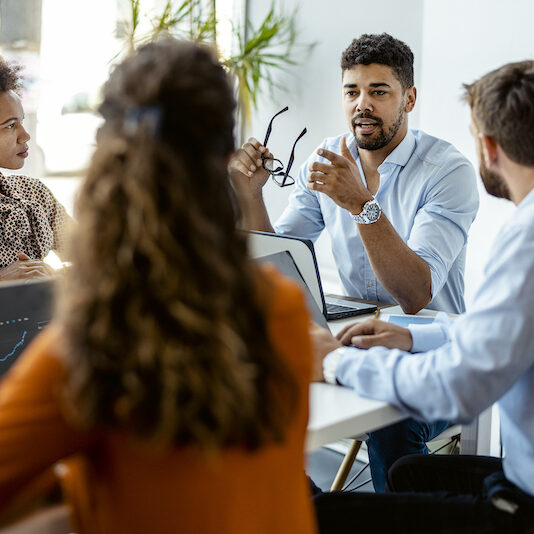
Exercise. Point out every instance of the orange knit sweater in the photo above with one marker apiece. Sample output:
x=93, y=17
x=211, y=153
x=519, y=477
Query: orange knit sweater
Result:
x=118, y=486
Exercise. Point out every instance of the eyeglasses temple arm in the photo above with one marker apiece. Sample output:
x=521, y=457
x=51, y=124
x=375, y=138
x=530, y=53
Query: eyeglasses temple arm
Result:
x=270, y=127
x=292, y=156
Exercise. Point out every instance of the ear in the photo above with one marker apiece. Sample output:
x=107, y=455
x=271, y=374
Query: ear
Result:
x=411, y=97
x=489, y=150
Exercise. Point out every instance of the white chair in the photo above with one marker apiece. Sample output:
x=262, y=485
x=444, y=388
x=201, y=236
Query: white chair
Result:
x=452, y=434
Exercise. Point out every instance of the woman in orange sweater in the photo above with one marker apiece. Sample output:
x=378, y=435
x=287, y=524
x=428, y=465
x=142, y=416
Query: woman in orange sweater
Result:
x=175, y=378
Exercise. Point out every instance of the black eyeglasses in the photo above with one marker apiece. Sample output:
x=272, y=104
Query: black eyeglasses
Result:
x=274, y=166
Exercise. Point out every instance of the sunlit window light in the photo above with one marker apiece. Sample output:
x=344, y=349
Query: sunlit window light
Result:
x=225, y=17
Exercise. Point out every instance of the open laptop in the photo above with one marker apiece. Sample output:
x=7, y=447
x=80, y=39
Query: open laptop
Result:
x=303, y=254
x=283, y=261
x=25, y=309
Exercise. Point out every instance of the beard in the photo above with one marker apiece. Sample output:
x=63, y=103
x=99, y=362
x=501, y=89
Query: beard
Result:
x=383, y=137
x=493, y=182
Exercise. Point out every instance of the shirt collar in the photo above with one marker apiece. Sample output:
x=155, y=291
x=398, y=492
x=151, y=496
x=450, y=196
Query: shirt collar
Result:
x=399, y=156
x=402, y=152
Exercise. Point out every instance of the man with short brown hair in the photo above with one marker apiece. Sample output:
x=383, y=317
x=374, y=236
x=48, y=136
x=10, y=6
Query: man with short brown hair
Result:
x=455, y=371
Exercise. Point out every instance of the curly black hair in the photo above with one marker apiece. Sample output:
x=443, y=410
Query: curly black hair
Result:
x=9, y=76
x=383, y=49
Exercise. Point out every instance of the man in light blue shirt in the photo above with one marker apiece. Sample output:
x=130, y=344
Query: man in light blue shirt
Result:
x=427, y=191
x=397, y=204
x=486, y=356
x=388, y=196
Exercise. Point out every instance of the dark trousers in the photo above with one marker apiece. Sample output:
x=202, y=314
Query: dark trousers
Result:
x=432, y=494
x=387, y=445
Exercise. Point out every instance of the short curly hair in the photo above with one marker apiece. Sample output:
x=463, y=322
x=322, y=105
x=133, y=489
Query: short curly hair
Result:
x=383, y=49
x=9, y=76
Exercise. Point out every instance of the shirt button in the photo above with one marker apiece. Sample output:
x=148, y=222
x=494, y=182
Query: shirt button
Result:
x=370, y=283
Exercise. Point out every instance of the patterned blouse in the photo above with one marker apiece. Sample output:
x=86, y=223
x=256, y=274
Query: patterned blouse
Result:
x=31, y=219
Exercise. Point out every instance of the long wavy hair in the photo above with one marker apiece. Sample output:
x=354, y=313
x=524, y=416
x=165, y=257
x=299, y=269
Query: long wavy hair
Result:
x=163, y=311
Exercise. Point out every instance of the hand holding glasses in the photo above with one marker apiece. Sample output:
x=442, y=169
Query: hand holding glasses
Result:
x=274, y=166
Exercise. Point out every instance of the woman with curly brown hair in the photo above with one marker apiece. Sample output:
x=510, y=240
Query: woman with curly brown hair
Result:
x=177, y=370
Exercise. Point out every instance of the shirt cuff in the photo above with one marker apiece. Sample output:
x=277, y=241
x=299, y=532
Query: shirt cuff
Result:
x=330, y=364
x=426, y=337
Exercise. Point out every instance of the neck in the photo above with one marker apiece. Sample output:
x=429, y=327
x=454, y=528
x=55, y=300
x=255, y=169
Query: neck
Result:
x=372, y=159
x=521, y=184
x=519, y=178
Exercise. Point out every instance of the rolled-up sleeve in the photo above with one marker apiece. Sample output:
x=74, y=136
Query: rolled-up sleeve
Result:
x=440, y=228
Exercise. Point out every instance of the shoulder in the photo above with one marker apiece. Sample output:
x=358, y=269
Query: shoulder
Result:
x=443, y=169
x=24, y=181
x=39, y=369
x=284, y=296
x=437, y=152
x=287, y=319
x=511, y=260
x=520, y=226
x=28, y=187
x=46, y=348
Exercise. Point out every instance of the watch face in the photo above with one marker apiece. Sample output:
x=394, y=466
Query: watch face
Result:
x=373, y=211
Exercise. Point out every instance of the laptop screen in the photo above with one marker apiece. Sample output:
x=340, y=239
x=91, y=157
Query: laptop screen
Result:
x=25, y=309
x=302, y=252
x=285, y=264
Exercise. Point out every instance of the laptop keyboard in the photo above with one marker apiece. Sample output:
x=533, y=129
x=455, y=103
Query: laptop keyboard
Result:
x=336, y=308
x=338, y=311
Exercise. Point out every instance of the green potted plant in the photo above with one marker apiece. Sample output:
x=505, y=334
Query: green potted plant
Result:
x=259, y=52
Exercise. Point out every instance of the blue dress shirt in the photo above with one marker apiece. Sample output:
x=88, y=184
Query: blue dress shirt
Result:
x=429, y=194
x=487, y=355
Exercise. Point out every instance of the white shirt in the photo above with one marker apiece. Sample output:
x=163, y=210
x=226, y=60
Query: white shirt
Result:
x=429, y=194
x=487, y=355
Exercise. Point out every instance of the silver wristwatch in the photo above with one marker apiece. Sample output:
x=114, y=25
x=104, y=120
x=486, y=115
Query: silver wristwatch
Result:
x=370, y=213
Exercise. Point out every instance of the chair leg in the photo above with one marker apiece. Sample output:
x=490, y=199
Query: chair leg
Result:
x=454, y=441
x=346, y=465
x=348, y=461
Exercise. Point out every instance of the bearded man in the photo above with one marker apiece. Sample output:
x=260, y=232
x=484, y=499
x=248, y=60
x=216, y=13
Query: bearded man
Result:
x=397, y=204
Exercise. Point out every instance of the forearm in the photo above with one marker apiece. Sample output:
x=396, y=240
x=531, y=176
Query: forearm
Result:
x=254, y=214
x=401, y=272
x=426, y=386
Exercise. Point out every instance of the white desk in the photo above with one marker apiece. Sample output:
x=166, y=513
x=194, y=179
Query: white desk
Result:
x=336, y=412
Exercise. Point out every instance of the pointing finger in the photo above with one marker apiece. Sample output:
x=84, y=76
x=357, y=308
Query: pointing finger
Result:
x=345, y=152
x=334, y=158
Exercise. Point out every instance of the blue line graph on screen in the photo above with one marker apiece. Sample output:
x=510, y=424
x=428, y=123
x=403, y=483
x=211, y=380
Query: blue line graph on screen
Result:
x=21, y=342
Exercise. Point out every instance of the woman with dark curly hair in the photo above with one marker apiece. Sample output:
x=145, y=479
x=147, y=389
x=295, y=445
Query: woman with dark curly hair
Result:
x=32, y=221
x=177, y=371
